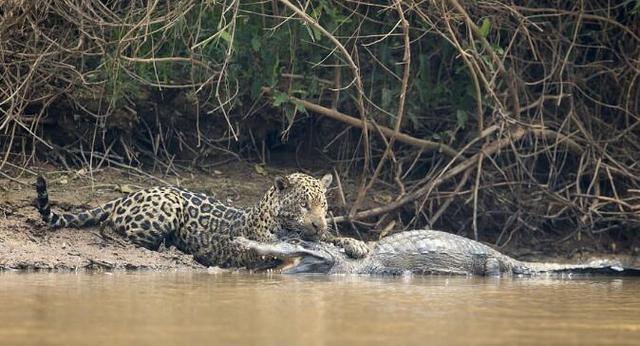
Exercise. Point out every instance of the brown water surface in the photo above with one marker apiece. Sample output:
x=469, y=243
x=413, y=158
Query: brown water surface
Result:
x=224, y=309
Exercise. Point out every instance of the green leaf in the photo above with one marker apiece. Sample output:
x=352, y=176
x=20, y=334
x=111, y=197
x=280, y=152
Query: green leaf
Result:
x=462, y=118
x=225, y=36
x=300, y=107
x=260, y=169
x=315, y=14
x=279, y=98
x=497, y=49
x=256, y=43
x=486, y=26
x=317, y=33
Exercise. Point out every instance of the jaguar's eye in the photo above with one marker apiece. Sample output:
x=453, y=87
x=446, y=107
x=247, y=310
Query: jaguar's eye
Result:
x=304, y=205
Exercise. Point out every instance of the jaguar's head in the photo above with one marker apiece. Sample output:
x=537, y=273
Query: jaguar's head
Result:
x=301, y=203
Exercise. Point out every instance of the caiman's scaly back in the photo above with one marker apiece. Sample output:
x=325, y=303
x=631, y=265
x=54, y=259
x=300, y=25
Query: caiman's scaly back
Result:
x=417, y=252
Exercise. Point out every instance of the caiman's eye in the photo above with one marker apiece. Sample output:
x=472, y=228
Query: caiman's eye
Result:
x=294, y=241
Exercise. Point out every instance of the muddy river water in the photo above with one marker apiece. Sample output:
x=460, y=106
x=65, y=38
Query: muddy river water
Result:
x=225, y=309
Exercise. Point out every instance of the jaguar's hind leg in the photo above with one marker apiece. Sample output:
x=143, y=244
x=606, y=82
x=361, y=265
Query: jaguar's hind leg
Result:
x=147, y=234
x=146, y=218
x=108, y=234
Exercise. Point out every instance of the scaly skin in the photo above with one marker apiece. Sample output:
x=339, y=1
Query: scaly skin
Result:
x=418, y=252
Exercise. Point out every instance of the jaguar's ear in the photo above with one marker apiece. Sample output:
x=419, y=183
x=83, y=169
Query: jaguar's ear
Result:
x=281, y=183
x=326, y=180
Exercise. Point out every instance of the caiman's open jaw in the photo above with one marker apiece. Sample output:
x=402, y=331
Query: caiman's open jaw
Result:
x=295, y=257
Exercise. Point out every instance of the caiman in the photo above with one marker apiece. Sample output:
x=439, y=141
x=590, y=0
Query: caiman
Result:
x=417, y=252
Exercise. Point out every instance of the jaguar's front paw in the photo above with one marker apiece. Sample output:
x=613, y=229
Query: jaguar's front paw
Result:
x=355, y=248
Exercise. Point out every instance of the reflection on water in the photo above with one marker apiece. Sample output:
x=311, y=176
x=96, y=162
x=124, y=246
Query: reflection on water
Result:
x=202, y=308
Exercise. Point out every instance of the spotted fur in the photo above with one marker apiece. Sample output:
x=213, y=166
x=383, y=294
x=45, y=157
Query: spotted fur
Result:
x=202, y=225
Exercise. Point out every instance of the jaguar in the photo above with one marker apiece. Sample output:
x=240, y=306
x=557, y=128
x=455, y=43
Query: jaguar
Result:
x=204, y=226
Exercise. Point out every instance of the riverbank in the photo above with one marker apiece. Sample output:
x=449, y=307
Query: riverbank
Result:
x=26, y=244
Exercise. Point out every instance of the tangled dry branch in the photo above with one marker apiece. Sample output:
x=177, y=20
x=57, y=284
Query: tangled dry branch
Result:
x=556, y=93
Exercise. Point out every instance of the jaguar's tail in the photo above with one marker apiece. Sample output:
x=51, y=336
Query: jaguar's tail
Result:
x=86, y=218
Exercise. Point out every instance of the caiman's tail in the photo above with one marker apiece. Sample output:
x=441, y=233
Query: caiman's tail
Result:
x=86, y=218
x=593, y=267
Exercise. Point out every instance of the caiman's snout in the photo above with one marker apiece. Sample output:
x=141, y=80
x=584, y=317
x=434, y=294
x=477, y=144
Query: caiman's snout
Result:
x=297, y=256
